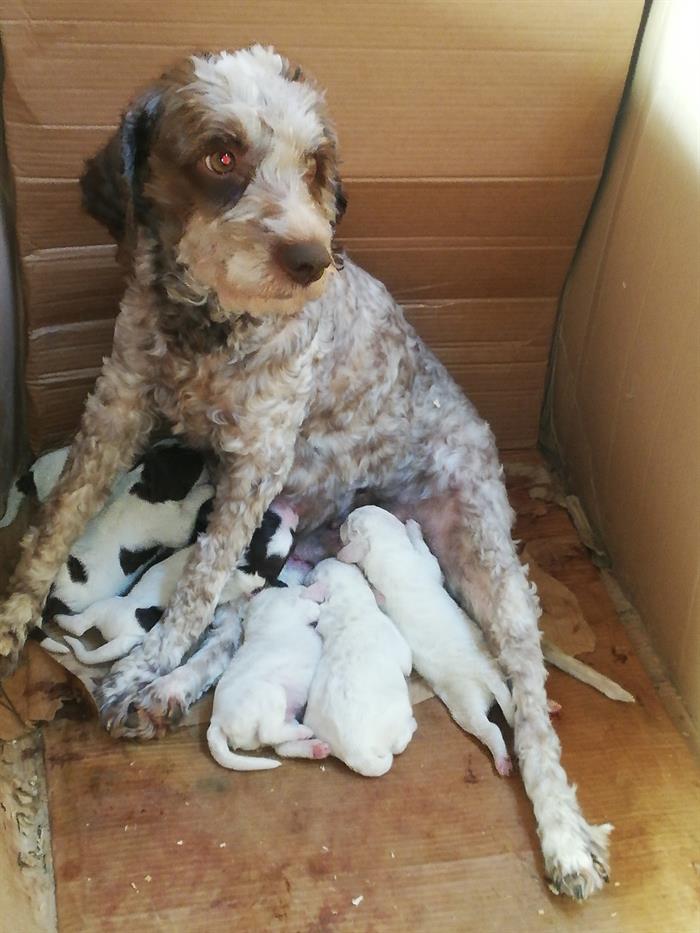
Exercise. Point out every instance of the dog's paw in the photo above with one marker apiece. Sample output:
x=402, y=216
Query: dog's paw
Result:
x=17, y=615
x=129, y=719
x=580, y=866
x=10, y=649
x=147, y=713
x=119, y=698
x=166, y=701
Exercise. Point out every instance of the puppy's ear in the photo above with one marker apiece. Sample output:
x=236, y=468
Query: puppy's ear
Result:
x=354, y=552
x=317, y=592
x=113, y=180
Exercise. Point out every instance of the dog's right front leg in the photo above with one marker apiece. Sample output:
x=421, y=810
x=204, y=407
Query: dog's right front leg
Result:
x=116, y=421
x=136, y=699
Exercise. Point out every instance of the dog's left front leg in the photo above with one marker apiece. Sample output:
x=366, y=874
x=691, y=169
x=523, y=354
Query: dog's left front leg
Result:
x=131, y=703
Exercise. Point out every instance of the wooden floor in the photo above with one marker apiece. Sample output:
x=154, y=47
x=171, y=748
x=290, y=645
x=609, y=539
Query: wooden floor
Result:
x=158, y=837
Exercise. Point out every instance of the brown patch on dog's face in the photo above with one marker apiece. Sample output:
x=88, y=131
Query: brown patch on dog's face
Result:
x=241, y=162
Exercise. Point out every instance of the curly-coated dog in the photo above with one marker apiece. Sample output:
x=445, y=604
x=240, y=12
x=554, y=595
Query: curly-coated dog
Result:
x=241, y=328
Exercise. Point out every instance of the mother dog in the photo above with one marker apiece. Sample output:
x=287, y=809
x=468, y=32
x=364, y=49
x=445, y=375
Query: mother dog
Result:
x=244, y=331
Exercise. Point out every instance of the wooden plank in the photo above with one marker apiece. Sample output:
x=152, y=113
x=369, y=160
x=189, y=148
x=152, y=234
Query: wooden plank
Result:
x=535, y=24
x=412, y=271
x=50, y=216
x=477, y=331
x=66, y=286
x=507, y=107
x=508, y=395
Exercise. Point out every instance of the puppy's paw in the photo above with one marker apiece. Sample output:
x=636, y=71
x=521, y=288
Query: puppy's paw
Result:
x=504, y=766
x=320, y=749
x=580, y=866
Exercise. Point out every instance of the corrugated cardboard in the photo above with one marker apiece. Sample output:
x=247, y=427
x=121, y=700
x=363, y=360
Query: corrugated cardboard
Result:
x=473, y=136
x=625, y=394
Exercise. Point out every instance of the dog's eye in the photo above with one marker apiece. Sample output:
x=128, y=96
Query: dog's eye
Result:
x=220, y=163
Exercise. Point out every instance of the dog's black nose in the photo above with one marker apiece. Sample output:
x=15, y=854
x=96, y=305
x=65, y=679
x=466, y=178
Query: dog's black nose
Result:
x=304, y=262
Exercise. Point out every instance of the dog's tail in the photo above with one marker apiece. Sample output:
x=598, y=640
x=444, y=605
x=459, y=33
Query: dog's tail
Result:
x=222, y=754
x=584, y=673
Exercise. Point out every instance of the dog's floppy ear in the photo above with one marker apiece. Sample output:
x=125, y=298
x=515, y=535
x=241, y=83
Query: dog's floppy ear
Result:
x=341, y=201
x=112, y=183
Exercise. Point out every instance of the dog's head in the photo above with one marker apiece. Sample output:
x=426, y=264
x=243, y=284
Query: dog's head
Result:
x=226, y=170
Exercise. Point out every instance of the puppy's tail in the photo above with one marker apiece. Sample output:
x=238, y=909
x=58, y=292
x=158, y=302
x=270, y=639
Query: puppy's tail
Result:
x=584, y=673
x=222, y=754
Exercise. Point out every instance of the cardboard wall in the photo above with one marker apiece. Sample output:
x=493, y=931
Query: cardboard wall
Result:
x=473, y=136
x=625, y=392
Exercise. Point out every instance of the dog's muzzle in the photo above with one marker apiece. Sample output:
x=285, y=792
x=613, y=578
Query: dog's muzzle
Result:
x=304, y=263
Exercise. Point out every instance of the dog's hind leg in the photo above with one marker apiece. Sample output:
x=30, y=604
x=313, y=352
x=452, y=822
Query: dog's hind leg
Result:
x=471, y=537
x=115, y=423
x=110, y=651
x=303, y=748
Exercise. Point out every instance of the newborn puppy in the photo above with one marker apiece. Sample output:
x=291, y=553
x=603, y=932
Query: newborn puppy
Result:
x=448, y=648
x=124, y=620
x=272, y=542
x=358, y=703
x=294, y=572
x=141, y=518
x=267, y=683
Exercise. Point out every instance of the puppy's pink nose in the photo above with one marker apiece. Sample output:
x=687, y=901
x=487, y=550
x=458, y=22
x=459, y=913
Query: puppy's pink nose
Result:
x=303, y=262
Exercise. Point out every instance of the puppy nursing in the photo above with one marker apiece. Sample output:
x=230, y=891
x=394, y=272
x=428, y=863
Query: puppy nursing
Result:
x=267, y=684
x=131, y=532
x=448, y=649
x=358, y=703
x=124, y=620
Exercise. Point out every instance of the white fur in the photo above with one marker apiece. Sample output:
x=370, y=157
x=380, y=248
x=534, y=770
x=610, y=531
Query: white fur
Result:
x=115, y=617
x=448, y=648
x=295, y=571
x=268, y=681
x=126, y=522
x=182, y=687
x=359, y=702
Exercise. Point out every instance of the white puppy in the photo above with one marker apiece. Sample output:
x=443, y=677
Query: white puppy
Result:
x=448, y=648
x=358, y=702
x=124, y=620
x=267, y=683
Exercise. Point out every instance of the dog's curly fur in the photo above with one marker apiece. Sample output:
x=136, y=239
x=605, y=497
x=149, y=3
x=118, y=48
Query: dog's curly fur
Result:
x=316, y=390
